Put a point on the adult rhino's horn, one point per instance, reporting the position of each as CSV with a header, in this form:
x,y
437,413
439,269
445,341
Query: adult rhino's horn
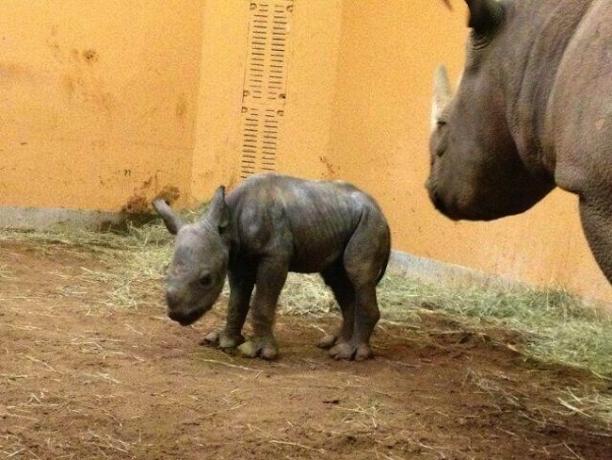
x,y
442,94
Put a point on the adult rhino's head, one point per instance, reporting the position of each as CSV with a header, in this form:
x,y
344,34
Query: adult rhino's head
x,y
476,171
197,272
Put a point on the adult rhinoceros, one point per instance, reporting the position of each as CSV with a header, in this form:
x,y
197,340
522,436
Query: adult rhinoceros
x,y
533,111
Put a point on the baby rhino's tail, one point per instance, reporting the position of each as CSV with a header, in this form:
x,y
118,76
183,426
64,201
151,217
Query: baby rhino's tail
x,y
383,269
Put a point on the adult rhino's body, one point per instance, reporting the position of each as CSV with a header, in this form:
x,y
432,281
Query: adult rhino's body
x,y
267,226
533,111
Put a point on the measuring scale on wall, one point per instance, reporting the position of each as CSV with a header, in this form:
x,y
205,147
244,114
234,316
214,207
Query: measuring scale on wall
x,y
264,93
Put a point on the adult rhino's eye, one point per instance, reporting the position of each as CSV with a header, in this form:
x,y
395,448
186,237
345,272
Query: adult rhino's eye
x,y
479,40
205,280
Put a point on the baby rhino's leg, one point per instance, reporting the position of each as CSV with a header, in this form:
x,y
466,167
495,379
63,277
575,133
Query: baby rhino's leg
x,y
271,276
344,293
365,259
366,316
241,283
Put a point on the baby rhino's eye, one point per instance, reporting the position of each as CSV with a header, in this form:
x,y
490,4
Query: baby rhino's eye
x,y
205,280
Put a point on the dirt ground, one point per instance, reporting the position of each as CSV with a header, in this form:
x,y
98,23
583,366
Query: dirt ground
x,y
80,379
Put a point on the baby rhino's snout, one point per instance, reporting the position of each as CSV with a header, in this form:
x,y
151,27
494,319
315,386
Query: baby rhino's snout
x,y
173,299
174,316
178,310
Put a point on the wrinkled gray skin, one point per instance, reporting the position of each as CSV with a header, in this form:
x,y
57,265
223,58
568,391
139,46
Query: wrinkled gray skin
x,y
266,227
533,111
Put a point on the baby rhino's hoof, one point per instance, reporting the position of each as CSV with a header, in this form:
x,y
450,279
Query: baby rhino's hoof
x,y
327,342
263,347
348,351
211,339
222,340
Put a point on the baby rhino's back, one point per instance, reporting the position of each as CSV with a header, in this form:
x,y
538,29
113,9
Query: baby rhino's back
x,y
308,221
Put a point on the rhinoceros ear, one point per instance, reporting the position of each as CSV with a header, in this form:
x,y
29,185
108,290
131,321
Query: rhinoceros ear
x,y
172,221
485,15
218,213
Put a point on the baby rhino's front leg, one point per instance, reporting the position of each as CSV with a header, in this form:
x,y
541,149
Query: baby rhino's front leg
x,y
271,276
241,286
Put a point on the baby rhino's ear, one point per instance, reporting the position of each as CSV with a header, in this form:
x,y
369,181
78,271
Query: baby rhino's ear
x,y
172,221
218,213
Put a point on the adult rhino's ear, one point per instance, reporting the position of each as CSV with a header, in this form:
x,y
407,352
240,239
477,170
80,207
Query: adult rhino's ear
x,y
172,221
485,15
218,213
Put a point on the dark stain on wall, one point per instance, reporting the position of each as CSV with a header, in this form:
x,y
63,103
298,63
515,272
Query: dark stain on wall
x,y
140,201
181,107
169,193
330,168
90,56
136,204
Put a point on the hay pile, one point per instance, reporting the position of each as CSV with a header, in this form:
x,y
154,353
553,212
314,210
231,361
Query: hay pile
x,y
558,327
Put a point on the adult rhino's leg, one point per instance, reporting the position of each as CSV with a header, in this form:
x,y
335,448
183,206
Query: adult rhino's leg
x,y
344,293
270,279
596,217
241,281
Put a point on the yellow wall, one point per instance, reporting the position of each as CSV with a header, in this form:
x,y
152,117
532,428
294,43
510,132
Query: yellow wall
x,y
98,100
224,49
105,101
314,37
313,67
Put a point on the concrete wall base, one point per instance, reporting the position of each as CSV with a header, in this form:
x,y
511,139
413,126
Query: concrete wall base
x,y
433,271
48,218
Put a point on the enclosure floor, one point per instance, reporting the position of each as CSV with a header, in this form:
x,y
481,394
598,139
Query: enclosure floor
x,y
82,380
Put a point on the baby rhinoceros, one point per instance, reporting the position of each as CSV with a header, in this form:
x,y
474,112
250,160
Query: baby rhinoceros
x,y
270,225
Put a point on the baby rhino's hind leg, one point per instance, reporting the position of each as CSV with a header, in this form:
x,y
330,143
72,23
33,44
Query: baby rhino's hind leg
x,y
365,318
365,260
336,278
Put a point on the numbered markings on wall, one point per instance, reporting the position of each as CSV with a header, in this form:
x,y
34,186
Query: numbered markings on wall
x,y
264,94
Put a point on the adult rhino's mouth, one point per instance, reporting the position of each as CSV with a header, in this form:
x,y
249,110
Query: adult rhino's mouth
x,y
445,209
454,211
452,208
439,203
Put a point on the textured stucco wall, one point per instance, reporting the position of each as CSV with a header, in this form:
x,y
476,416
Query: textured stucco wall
x,y
98,100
